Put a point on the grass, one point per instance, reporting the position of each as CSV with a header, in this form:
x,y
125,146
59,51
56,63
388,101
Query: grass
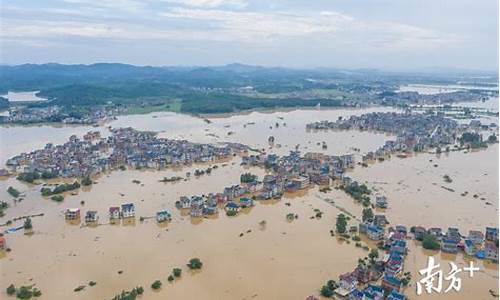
x,y
174,106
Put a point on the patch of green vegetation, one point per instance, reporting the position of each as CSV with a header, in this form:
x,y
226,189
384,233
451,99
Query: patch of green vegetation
x,y
28,176
130,295
367,214
3,206
172,105
61,188
231,213
86,181
359,193
195,263
156,285
248,177
24,292
341,224
329,288
473,139
430,242
177,272
13,192
57,198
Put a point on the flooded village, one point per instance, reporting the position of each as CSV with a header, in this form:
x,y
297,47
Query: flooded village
x,y
159,196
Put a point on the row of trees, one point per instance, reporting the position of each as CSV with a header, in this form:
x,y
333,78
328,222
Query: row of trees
x,y
24,292
61,188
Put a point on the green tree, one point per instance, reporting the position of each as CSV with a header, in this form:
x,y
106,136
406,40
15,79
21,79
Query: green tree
x,y
37,292
341,223
430,242
195,263
248,177
24,292
367,214
156,285
326,291
177,272
492,139
13,192
57,198
373,255
86,181
11,290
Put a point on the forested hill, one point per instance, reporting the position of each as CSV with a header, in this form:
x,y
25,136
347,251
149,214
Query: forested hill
x,y
227,88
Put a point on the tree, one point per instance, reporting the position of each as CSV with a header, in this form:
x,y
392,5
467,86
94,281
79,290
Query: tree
x,y
86,181
326,291
373,255
27,224
247,177
156,285
367,214
341,223
24,292
177,272
492,139
57,198
13,192
430,242
170,278
332,284
195,263
11,290
37,292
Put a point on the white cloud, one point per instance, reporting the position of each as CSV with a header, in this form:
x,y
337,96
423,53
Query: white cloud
x,y
122,5
210,3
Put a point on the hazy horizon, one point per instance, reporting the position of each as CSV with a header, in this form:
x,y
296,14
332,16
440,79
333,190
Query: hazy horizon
x,y
388,35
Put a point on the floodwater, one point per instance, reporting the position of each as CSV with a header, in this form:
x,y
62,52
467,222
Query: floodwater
x,y
418,194
431,89
271,256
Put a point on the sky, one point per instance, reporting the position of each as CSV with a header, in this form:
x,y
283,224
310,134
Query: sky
x,y
383,34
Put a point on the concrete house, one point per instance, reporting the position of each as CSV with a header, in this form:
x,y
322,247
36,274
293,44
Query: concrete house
x,y
491,234
72,214
391,283
449,245
114,212
381,201
163,215
128,210
375,233
347,284
491,251
91,216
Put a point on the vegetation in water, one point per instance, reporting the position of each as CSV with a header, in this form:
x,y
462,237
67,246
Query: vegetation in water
x,y
341,224
430,242
156,285
248,177
60,188
195,263
13,192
